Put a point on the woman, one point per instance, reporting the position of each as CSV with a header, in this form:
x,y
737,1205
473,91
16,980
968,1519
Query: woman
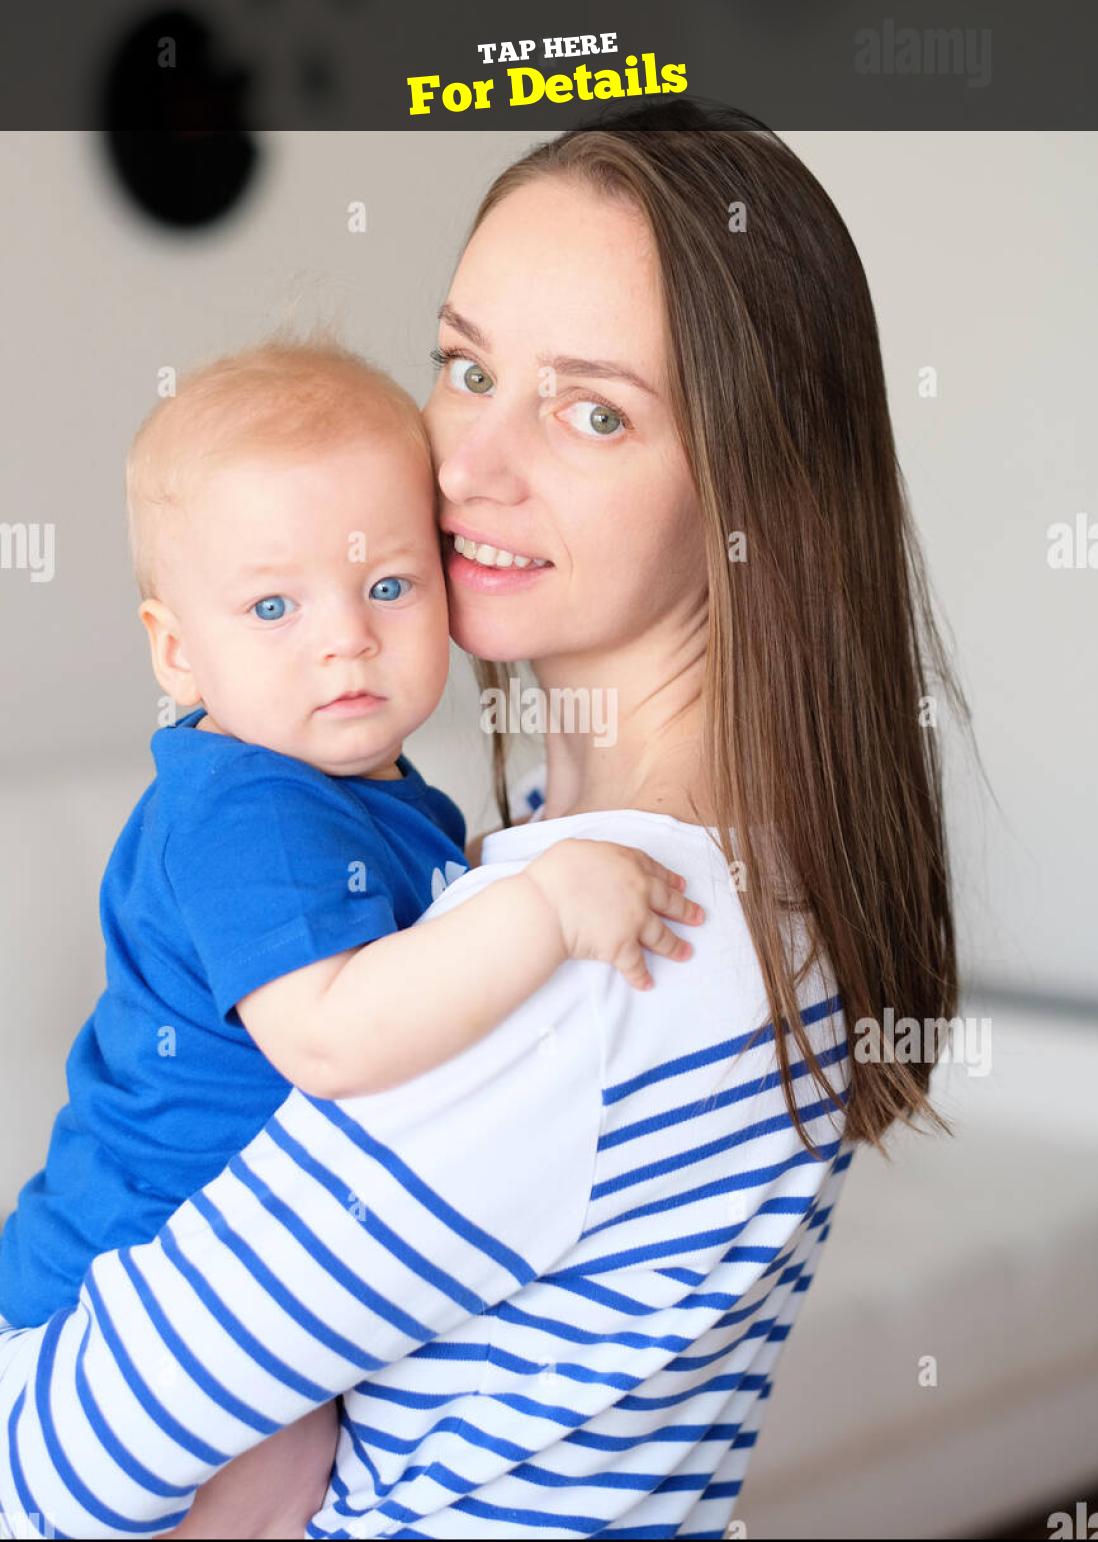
x,y
552,1278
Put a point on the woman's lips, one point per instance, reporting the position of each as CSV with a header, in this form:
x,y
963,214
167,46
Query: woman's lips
x,y
357,705
475,575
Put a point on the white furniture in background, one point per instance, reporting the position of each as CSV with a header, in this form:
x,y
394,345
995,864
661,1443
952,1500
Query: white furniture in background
x,y
981,1250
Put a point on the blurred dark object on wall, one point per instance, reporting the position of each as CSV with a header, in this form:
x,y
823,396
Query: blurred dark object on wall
x,y
191,159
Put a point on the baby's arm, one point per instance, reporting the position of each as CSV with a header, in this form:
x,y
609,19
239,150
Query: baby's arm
x,y
370,1018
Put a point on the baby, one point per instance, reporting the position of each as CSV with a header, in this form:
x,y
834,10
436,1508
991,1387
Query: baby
x,y
257,908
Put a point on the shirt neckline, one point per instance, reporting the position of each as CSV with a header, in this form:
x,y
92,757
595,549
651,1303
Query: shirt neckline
x,y
518,834
410,784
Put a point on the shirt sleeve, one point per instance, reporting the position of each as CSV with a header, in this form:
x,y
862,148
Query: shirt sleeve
x,y
343,1238
272,870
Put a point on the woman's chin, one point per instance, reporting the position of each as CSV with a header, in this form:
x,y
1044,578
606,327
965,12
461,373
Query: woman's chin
x,y
489,638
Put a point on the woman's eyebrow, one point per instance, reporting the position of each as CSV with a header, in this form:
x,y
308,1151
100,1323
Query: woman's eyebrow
x,y
447,312
563,363
566,364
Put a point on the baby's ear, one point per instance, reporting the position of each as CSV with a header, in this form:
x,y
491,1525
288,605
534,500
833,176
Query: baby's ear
x,y
169,658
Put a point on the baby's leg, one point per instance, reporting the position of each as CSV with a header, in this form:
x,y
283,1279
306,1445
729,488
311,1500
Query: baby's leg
x,y
274,1489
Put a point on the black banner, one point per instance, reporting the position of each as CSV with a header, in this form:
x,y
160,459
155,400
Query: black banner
x,y
361,64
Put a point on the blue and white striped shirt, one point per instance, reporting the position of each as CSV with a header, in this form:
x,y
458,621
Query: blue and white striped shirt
x,y
551,1277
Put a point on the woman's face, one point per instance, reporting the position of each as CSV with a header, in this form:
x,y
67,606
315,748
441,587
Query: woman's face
x,y
552,435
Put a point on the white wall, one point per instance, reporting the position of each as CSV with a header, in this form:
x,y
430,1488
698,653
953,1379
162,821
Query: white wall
x,y
98,301
980,255
979,250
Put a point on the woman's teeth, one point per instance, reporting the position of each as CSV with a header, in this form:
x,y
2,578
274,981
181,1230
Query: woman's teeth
x,y
494,556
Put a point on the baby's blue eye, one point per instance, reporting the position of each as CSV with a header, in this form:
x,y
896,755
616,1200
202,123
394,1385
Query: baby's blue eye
x,y
273,608
391,589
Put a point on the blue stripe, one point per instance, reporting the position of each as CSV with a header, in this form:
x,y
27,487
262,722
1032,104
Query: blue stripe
x,y
426,1196
415,1262
268,1281
694,1154
214,1389
777,1204
375,1476
667,1434
749,1180
509,1515
734,1183
701,1107
407,1397
397,1511
23,1493
648,1533
568,1333
728,1489
529,1470
333,1266
78,1489
235,1328
683,1063
544,1477
578,1373
153,1407
452,1424
627,1257
111,1443
724,1381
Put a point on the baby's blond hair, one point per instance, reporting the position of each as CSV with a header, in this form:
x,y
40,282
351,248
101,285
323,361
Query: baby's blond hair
x,y
281,394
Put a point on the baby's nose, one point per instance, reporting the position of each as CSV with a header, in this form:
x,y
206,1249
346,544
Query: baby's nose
x,y
350,634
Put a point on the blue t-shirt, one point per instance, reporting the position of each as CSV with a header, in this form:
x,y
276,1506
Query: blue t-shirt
x,y
238,865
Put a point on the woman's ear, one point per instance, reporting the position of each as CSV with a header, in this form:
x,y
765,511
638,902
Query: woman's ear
x,y
169,659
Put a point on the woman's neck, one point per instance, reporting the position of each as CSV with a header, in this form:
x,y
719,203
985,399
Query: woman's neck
x,y
647,750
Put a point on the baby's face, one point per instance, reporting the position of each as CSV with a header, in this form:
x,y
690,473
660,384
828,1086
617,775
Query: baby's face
x,y
297,580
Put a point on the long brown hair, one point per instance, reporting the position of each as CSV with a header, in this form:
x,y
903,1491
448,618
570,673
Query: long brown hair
x,y
823,661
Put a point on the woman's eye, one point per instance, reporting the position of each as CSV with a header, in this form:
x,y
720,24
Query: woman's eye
x,y
466,375
389,589
273,608
594,419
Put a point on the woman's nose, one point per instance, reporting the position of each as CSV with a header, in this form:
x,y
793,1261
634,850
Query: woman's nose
x,y
483,460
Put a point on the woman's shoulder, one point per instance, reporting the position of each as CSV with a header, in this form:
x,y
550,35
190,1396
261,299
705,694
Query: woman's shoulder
x,y
528,798
475,846
643,828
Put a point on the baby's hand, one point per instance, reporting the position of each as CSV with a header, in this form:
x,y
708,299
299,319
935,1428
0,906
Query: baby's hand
x,y
609,899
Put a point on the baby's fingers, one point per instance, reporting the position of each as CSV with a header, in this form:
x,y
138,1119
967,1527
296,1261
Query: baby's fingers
x,y
668,875
675,906
661,939
630,962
